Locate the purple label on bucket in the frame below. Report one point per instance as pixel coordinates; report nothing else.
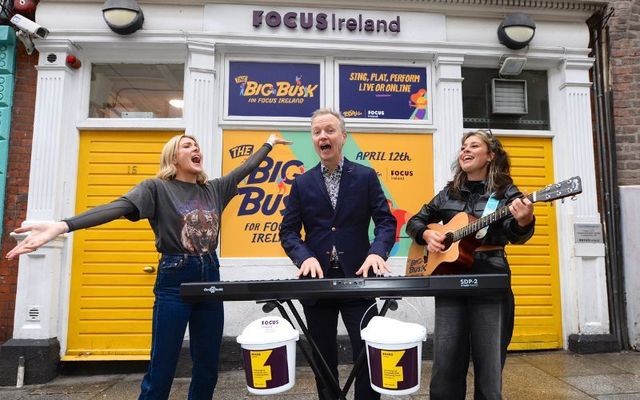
(266, 369)
(393, 369)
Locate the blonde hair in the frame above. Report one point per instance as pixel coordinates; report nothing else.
(498, 174)
(325, 111)
(168, 157)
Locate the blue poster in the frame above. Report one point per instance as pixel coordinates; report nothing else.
(264, 89)
(384, 92)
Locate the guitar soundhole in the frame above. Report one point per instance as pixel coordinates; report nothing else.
(448, 240)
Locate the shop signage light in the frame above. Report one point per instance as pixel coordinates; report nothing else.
(516, 31)
(323, 21)
(122, 16)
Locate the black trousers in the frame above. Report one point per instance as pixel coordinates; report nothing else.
(322, 321)
(476, 326)
(480, 326)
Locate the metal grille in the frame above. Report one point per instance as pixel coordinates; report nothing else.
(33, 313)
(509, 96)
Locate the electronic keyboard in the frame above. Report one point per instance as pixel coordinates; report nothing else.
(344, 288)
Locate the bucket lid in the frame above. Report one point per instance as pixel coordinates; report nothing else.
(391, 331)
(271, 329)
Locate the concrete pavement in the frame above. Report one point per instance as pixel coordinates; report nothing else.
(528, 375)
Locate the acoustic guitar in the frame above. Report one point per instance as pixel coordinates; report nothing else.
(460, 241)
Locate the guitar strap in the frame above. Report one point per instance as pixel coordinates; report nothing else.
(491, 206)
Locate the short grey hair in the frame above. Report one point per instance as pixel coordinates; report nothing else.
(325, 111)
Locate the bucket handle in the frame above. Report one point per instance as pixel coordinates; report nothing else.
(376, 303)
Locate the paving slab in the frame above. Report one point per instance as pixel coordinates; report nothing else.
(628, 361)
(76, 387)
(522, 381)
(635, 396)
(13, 394)
(569, 364)
(119, 390)
(58, 396)
(514, 358)
(606, 384)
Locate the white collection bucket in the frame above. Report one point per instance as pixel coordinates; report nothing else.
(269, 355)
(394, 353)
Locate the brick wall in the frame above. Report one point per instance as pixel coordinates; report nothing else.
(15, 207)
(624, 30)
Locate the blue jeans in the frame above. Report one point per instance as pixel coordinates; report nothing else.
(170, 318)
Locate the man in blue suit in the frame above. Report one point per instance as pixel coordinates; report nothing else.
(334, 202)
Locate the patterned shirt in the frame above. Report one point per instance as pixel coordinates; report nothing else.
(332, 182)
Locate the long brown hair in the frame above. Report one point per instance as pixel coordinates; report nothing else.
(499, 174)
(168, 156)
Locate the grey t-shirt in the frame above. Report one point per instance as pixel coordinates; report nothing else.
(185, 217)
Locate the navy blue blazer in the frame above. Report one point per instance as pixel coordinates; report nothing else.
(360, 199)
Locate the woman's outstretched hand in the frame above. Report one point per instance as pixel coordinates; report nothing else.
(39, 235)
(275, 139)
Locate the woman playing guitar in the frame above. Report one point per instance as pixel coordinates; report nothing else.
(478, 325)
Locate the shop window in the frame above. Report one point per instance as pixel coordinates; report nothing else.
(479, 99)
(136, 91)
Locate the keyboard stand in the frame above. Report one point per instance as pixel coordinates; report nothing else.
(322, 372)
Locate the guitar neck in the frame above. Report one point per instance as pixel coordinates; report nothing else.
(482, 222)
(560, 190)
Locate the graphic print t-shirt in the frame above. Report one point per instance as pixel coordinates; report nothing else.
(185, 217)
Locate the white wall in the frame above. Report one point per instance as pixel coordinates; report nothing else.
(629, 217)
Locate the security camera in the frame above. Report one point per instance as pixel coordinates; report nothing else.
(28, 26)
(25, 38)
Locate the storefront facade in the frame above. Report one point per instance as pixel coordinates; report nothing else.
(411, 78)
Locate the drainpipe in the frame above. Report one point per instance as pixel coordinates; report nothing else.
(608, 195)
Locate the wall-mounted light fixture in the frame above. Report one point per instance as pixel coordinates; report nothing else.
(122, 16)
(511, 66)
(516, 31)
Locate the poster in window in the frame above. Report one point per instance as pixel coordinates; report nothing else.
(251, 221)
(384, 92)
(278, 89)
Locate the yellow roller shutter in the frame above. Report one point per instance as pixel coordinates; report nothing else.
(111, 295)
(535, 280)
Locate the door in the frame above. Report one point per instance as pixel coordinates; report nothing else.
(113, 267)
(536, 277)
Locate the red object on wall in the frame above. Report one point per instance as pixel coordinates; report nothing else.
(73, 62)
(25, 7)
